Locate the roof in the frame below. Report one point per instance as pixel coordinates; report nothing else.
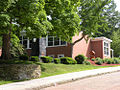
(102, 38)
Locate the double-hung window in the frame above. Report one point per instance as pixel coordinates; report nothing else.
(55, 41)
(106, 48)
(26, 42)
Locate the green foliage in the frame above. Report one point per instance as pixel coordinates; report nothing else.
(15, 62)
(67, 60)
(93, 59)
(16, 48)
(97, 59)
(116, 60)
(80, 58)
(57, 60)
(116, 43)
(23, 57)
(86, 63)
(99, 62)
(34, 58)
(46, 59)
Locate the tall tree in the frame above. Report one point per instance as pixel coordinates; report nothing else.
(21, 14)
(112, 19)
(72, 16)
(116, 42)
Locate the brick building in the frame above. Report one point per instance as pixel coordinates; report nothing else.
(55, 47)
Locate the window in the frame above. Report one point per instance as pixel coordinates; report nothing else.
(26, 42)
(106, 48)
(54, 41)
(60, 55)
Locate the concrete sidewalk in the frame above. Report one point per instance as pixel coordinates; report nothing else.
(37, 84)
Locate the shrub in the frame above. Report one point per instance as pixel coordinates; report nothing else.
(23, 57)
(99, 62)
(67, 60)
(86, 63)
(80, 59)
(56, 60)
(34, 58)
(93, 59)
(47, 59)
(97, 59)
(116, 60)
(110, 61)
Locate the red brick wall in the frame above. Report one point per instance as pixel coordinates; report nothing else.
(97, 46)
(66, 50)
(82, 47)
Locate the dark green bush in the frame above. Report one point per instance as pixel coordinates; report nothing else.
(99, 62)
(97, 59)
(116, 61)
(67, 60)
(56, 60)
(93, 59)
(34, 58)
(80, 59)
(86, 63)
(110, 61)
(24, 57)
(46, 59)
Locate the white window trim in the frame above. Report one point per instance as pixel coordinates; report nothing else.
(53, 42)
(60, 55)
(106, 47)
(28, 42)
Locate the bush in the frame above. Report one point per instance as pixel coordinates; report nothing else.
(56, 60)
(80, 59)
(116, 61)
(47, 59)
(99, 62)
(34, 58)
(97, 59)
(67, 60)
(86, 63)
(93, 59)
(23, 57)
(110, 61)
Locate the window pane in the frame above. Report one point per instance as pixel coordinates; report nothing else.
(63, 43)
(50, 38)
(56, 41)
(25, 43)
(50, 43)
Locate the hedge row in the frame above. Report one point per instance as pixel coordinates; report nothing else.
(79, 59)
(100, 61)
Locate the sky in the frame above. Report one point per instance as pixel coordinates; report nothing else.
(118, 5)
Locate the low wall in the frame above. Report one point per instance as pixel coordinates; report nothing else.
(19, 71)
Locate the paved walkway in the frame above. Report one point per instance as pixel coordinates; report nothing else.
(37, 84)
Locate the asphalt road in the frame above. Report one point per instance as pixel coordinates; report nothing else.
(103, 82)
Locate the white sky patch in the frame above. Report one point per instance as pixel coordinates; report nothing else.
(118, 5)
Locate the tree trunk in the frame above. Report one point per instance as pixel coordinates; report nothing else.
(6, 47)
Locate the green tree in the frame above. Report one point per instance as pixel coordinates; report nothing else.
(112, 19)
(116, 42)
(17, 15)
(72, 16)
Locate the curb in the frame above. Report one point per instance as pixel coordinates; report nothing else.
(38, 84)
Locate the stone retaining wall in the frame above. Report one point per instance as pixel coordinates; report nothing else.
(19, 71)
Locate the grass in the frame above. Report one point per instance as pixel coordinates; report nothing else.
(51, 69)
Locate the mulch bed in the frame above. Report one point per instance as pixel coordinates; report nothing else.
(104, 64)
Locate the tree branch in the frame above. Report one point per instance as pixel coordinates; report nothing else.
(78, 40)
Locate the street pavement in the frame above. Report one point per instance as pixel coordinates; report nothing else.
(109, 81)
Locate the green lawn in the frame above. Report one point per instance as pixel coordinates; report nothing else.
(50, 69)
